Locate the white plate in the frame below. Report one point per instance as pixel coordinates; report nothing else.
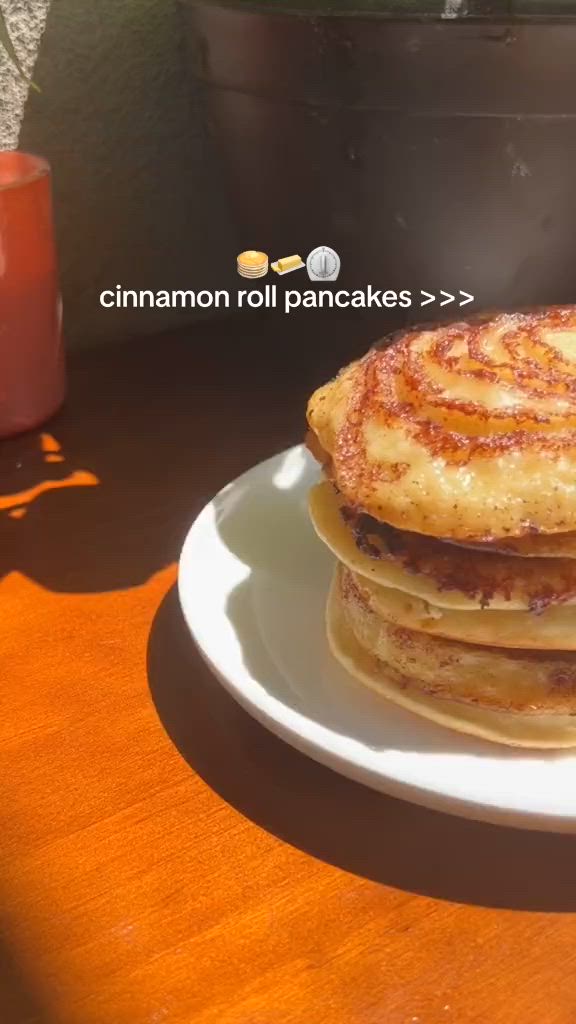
(253, 584)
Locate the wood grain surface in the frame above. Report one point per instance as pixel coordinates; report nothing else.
(163, 859)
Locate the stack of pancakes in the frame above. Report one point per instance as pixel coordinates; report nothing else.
(251, 263)
(450, 504)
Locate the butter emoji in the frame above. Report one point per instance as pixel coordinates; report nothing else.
(288, 263)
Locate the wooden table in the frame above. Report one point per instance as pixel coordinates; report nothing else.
(163, 858)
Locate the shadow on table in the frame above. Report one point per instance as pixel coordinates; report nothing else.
(338, 821)
(101, 497)
(20, 999)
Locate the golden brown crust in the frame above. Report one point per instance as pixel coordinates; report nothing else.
(524, 682)
(437, 572)
(512, 728)
(552, 630)
(534, 545)
(466, 431)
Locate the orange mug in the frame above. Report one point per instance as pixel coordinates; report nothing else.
(32, 380)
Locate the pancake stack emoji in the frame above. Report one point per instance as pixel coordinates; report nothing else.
(251, 263)
(449, 501)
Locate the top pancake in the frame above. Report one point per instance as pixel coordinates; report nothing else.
(466, 431)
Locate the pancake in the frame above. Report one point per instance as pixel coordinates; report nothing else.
(552, 630)
(536, 545)
(527, 682)
(464, 431)
(511, 728)
(437, 572)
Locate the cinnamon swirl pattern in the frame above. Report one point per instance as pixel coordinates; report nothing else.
(450, 504)
(465, 431)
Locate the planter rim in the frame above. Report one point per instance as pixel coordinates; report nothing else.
(444, 11)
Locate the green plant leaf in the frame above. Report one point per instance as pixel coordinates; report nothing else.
(8, 45)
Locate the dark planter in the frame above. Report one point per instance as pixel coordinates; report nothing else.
(431, 151)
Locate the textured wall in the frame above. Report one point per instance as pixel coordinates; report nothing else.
(137, 202)
(26, 20)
